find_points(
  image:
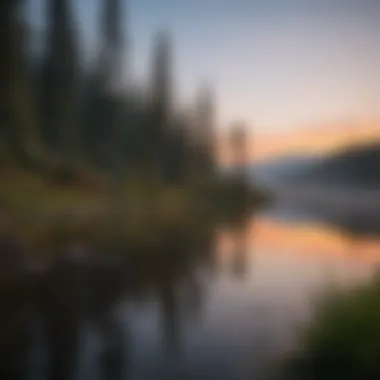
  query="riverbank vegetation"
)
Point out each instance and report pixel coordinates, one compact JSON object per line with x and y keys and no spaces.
{"x":81,"y":144}
{"x":343,"y":339}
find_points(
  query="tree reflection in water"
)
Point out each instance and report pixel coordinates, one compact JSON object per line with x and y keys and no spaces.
{"x":87,"y":285}
{"x":240,"y":252}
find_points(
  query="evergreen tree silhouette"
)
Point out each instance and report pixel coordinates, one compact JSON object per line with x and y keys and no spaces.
{"x":105,"y":102}
{"x":160,"y":105}
{"x":18,"y":126}
{"x":204,"y":125}
{"x":60,"y":81}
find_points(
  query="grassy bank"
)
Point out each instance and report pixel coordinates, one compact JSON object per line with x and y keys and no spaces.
{"x":38,"y":209}
{"x":343,"y":339}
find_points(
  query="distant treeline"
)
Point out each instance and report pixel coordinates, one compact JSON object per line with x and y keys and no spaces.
{"x":61,"y":113}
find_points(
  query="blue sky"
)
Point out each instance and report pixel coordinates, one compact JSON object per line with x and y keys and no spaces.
{"x":277,"y":64}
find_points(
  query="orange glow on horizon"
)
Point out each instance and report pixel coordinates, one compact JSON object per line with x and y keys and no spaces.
{"x":322,"y":139}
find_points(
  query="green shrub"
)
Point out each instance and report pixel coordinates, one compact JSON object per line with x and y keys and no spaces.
{"x":343,"y":339}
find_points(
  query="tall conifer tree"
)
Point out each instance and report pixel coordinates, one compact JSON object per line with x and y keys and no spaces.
{"x":60,"y":81}
{"x":204,"y":134}
{"x":160,"y":106}
{"x":18,"y":124}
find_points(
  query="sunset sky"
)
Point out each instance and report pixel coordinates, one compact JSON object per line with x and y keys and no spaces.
{"x":280,"y":65}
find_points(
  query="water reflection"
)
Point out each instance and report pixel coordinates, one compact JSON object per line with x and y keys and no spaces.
{"x":93,"y":312}
{"x":87,"y":285}
{"x":240,"y":252}
{"x":352,"y":220}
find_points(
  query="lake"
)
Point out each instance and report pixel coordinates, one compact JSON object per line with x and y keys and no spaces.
{"x":225,"y":306}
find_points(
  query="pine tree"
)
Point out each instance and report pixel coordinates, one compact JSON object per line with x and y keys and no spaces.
{"x":239,"y":149}
{"x":204,"y":131}
{"x":60,"y":82}
{"x":112,"y":47}
{"x":238,"y":142}
{"x":104,"y":111}
{"x":92,"y":116}
{"x":114,"y":50}
{"x":162,"y":76}
{"x":18,"y":124}
{"x":160,"y":105}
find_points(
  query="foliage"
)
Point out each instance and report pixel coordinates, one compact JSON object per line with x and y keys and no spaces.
{"x":61,"y":114}
{"x":343,"y":340}
{"x":75,"y":141}
{"x":41,"y":210}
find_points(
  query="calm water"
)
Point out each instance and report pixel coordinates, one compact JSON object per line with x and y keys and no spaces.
{"x":225,"y":307}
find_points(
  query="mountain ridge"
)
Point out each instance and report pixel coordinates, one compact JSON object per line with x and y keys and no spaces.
{"x":354,"y":165}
